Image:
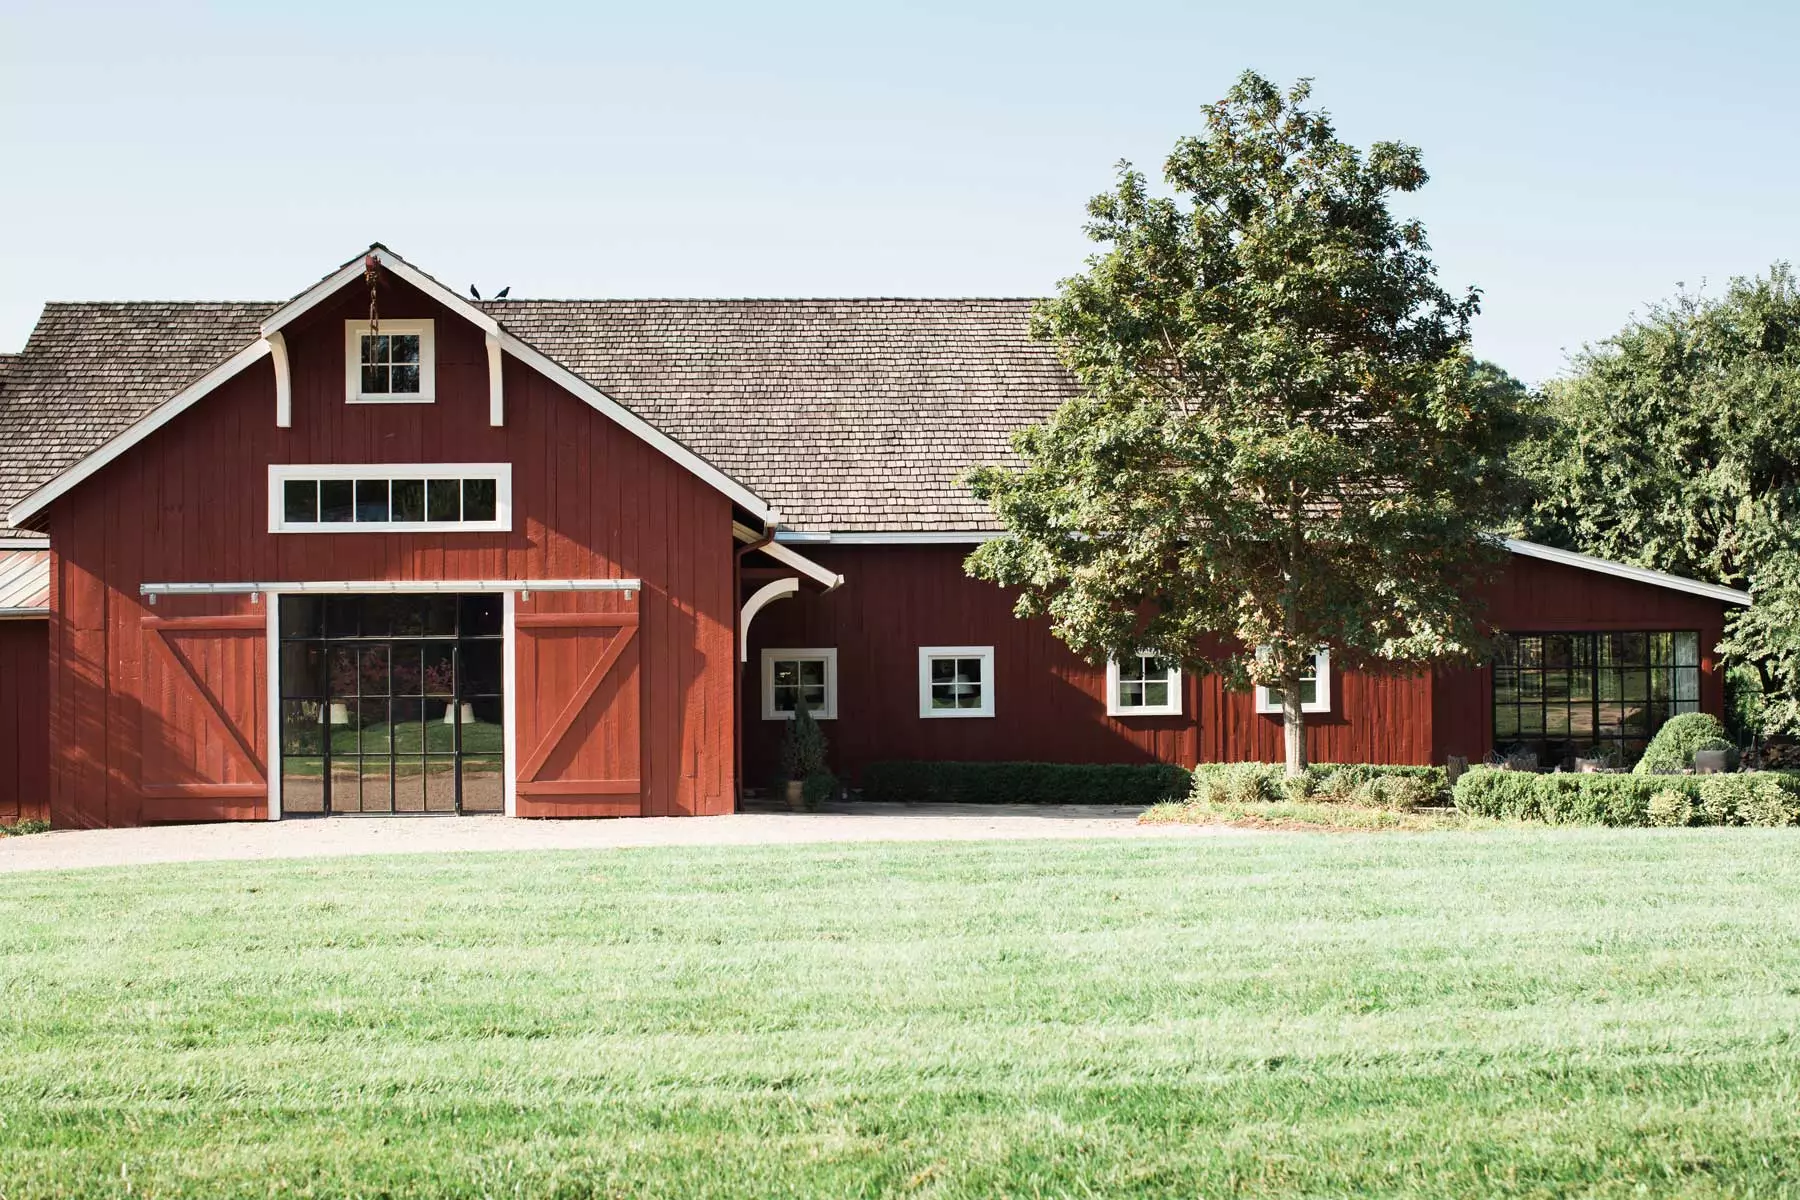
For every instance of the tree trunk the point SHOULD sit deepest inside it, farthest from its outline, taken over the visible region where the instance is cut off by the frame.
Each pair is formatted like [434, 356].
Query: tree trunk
[1293, 728]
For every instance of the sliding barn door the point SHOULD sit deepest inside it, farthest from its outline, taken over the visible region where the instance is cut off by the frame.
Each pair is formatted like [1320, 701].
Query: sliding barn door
[580, 731]
[202, 725]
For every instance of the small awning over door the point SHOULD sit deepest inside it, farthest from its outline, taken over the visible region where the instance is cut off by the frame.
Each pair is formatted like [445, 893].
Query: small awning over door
[785, 558]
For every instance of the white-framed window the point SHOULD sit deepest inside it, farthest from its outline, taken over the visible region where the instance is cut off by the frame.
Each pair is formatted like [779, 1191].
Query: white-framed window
[956, 681]
[396, 364]
[790, 676]
[1315, 689]
[1143, 685]
[390, 498]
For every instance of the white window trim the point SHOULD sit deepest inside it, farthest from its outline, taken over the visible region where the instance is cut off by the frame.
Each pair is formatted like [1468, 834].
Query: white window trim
[500, 473]
[984, 653]
[1115, 709]
[827, 654]
[1322, 669]
[353, 335]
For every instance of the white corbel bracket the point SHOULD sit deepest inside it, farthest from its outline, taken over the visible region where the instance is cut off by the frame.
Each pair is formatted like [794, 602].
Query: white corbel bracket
[496, 394]
[284, 379]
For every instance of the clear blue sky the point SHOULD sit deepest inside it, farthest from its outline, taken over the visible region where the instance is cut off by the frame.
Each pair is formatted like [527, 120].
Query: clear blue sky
[1585, 156]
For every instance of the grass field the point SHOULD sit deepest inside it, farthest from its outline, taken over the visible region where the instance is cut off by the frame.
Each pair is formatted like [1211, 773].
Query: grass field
[1502, 1013]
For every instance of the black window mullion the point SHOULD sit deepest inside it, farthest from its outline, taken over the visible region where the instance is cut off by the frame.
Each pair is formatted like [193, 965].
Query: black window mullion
[456, 727]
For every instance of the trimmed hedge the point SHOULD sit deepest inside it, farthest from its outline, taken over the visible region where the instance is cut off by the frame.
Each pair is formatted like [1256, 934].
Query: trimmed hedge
[1747, 798]
[1023, 783]
[1369, 784]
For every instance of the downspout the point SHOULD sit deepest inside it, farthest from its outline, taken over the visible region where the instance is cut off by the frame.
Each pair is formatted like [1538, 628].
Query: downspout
[737, 634]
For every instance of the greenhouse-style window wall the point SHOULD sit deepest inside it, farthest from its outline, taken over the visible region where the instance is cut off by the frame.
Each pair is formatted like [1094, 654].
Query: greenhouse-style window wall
[1564, 696]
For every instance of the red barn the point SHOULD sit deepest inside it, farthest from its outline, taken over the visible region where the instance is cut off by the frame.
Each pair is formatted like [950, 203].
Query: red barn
[383, 549]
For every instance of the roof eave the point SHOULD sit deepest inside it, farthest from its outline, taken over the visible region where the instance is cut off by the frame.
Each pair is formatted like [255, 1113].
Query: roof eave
[89, 465]
[1645, 575]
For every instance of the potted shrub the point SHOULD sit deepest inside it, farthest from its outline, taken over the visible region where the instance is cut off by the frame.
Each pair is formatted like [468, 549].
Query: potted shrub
[1714, 756]
[803, 749]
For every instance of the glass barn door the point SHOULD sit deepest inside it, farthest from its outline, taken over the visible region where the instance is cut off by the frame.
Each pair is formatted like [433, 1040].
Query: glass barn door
[392, 704]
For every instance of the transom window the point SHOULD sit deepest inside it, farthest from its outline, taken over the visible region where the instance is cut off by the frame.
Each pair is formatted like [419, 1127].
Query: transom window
[956, 681]
[1564, 696]
[394, 364]
[790, 676]
[1143, 685]
[1315, 689]
[390, 499]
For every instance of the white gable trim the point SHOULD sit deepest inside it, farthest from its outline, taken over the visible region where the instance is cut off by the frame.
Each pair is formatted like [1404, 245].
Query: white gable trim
[908, 537]
[352, 271]
[140, 429]
[1605, 566]
[1568, 558]
[498, 340]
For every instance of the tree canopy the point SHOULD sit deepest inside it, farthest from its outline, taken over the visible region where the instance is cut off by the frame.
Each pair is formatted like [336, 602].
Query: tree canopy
[1675, 444]
[1279, 441]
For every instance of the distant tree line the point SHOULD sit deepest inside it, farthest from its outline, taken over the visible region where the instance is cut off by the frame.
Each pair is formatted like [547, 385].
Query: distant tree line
[1675, 444]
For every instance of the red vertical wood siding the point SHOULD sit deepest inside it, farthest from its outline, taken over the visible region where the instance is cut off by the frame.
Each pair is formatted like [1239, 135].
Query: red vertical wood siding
[1374, 718]
[189, 504]
[1050, 705]
[24, 720]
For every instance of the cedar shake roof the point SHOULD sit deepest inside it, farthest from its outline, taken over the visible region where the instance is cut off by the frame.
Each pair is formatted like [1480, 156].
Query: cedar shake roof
[90, 370]
[843, 414]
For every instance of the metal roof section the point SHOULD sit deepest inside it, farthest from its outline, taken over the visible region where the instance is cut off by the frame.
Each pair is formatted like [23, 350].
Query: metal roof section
[24, 580]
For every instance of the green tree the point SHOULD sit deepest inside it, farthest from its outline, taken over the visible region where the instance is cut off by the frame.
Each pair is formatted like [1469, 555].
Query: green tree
[1675, 444]
[1279, 441]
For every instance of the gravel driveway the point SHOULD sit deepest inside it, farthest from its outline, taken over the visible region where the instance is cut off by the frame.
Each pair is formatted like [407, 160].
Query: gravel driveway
[322, 838]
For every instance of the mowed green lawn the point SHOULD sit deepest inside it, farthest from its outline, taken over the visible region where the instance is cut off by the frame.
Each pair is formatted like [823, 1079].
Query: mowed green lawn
[1513, 1012]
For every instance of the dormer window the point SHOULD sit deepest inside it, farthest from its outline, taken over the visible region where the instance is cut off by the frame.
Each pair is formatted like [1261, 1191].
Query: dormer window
[394, 364]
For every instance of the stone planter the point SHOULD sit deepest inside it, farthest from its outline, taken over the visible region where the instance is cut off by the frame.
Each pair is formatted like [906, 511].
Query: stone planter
[796, 795]
[1709, 762]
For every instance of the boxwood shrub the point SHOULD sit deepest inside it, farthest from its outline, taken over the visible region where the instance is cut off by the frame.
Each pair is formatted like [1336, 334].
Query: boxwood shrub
[1672, 749]
[1024, 783]
[1369, 784]
[1749, 798]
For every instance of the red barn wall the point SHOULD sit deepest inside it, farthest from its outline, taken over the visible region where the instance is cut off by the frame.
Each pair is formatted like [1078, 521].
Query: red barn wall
[1536, 596]
[24, 721]
[189, 504]
[1050, 705]
[897, 598]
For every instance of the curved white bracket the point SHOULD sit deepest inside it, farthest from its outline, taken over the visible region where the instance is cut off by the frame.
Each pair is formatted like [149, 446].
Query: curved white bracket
[284, 380]
[496, 397]
[765, 595]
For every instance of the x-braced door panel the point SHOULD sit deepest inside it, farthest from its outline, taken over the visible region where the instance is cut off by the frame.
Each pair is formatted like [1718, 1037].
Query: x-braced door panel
[580, 727]
[201, 725]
